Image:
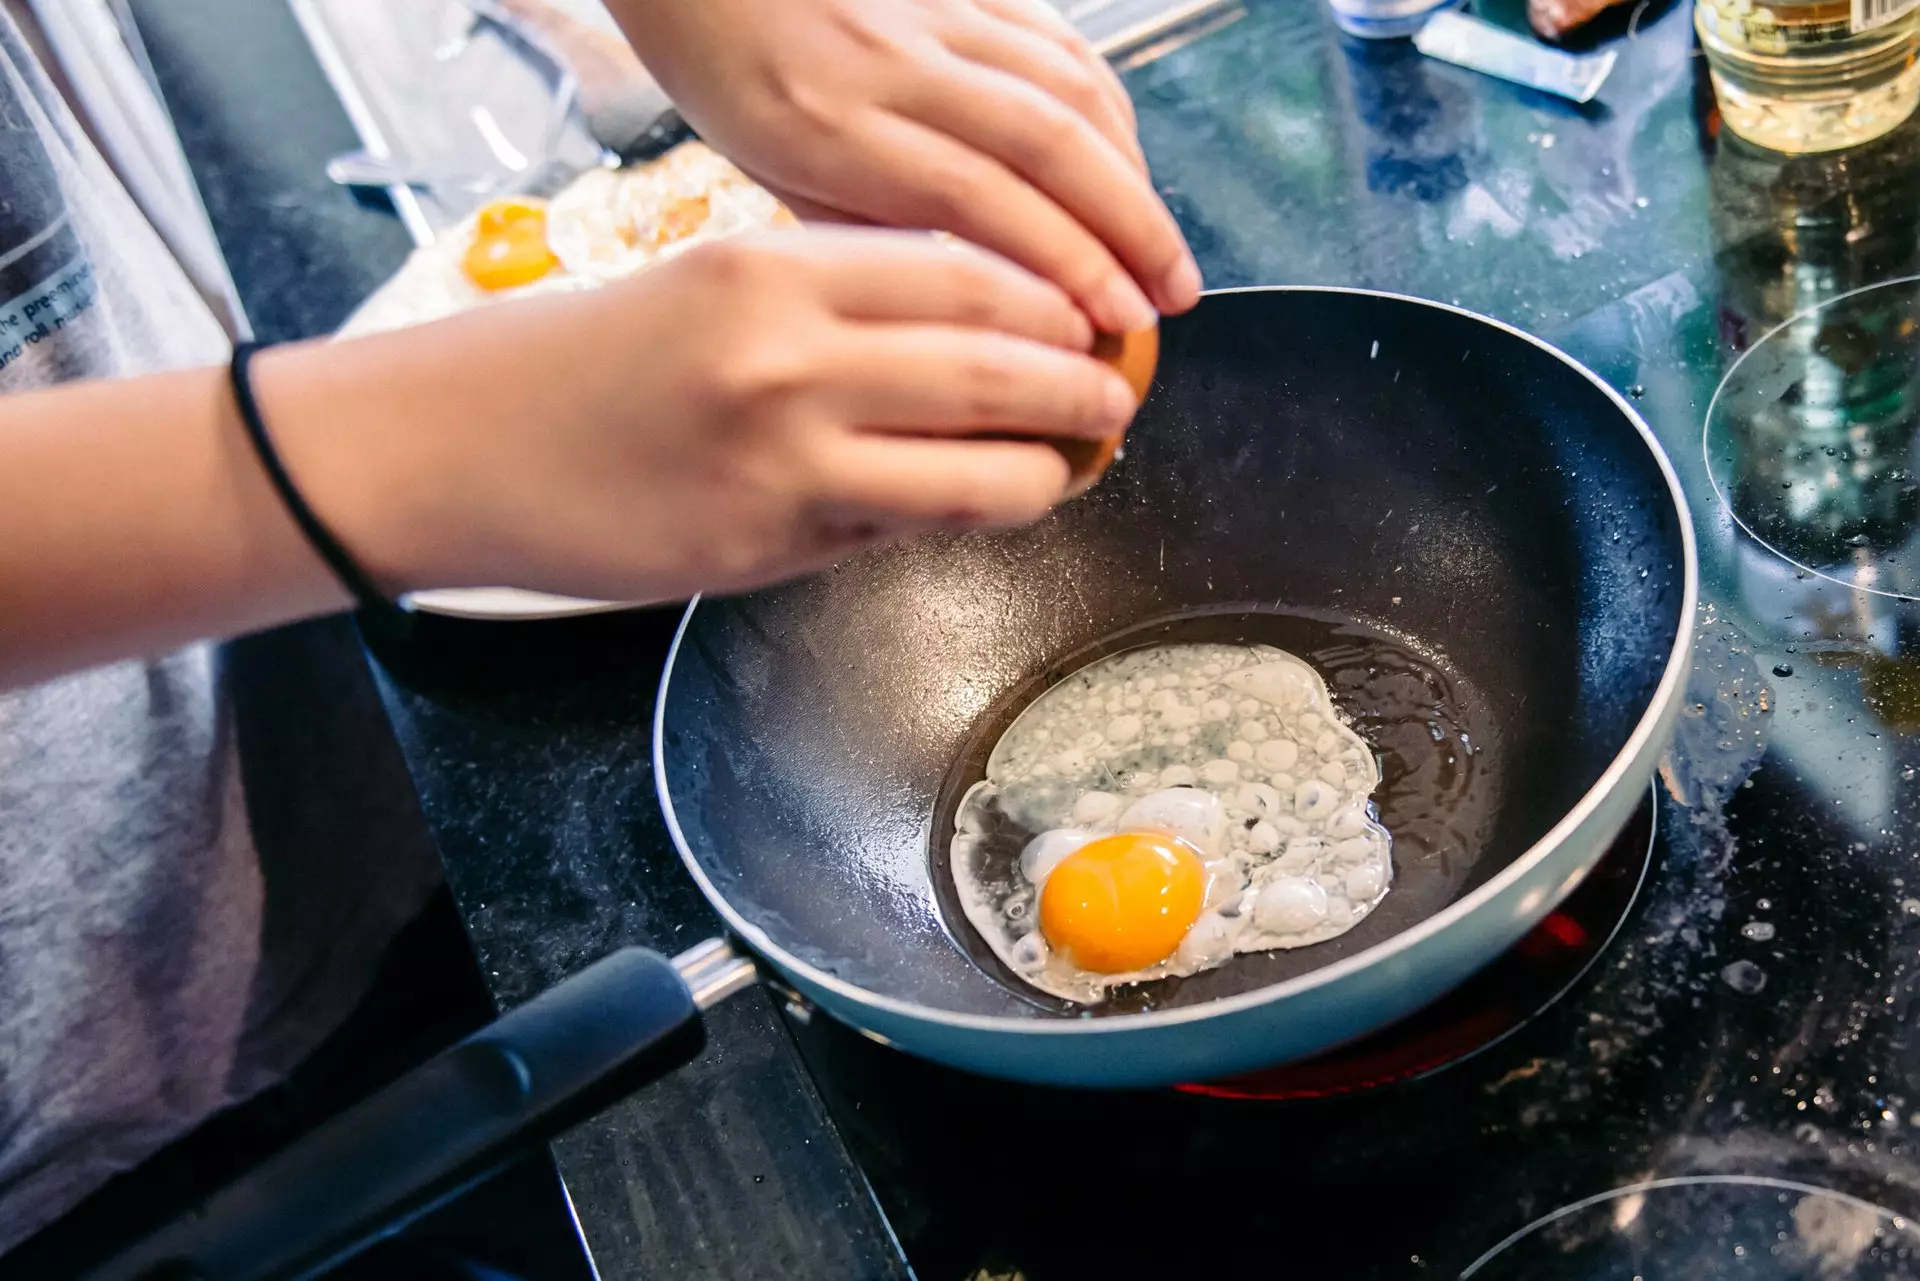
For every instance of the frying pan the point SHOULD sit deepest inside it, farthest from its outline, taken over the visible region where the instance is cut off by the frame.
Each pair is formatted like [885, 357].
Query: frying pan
[1346, 472]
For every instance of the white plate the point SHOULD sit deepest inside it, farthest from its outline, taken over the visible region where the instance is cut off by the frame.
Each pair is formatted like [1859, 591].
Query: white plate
[430, 285]
[489, 603]
[427, 287]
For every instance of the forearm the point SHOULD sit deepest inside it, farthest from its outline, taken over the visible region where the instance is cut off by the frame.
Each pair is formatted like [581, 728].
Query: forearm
[648, 26]
[134, 517]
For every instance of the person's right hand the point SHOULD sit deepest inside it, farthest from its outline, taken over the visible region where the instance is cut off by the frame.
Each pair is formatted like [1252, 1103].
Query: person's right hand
[991, 119]
[747, 411]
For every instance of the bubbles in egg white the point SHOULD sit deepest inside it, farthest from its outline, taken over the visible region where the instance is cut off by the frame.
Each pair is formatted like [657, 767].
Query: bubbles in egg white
[1235, 749]
[605, 225]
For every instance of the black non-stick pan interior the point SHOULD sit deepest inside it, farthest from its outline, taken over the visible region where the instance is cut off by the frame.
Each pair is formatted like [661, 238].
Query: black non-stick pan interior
[1408, 496]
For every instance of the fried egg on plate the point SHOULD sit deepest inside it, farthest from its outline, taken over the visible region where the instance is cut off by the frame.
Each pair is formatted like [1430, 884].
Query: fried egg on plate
[1171, 806]
[605, 224]
[611, 223]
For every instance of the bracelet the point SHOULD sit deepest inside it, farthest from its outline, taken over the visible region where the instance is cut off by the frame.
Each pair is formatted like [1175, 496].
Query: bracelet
[381, 617]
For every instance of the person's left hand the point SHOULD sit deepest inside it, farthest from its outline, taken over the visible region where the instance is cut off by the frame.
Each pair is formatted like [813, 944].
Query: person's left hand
[991, 119]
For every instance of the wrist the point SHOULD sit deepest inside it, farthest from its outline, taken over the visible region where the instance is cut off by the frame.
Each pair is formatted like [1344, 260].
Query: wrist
[343, 419]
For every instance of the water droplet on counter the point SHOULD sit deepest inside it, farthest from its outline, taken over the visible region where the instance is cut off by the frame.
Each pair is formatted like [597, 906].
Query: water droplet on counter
[1907, 772]
[1744, 977]
[1911, 906]
[1636, 391]
[1640, 202]
[1783, 670]
[1758, 931]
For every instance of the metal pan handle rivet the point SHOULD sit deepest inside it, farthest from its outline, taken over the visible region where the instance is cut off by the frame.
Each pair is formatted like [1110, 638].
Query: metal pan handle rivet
[714, 970]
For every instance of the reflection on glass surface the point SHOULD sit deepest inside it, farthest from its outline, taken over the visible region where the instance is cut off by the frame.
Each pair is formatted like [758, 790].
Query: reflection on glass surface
[1810, 438]
[1416, 123]
[1710, 1226]
[1791, 233]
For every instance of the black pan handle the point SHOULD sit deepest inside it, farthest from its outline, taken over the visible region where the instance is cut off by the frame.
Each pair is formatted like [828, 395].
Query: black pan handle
[575, 1049]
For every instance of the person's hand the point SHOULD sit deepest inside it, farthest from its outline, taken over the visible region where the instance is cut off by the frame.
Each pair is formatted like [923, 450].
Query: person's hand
[991, 119]
[747, 411]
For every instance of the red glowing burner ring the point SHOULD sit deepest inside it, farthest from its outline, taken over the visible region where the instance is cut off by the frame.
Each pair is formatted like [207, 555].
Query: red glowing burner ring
[1490, 1007]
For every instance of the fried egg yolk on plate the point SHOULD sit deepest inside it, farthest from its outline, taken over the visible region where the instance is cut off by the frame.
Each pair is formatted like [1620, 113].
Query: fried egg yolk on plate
[1160, 811]
[509, 246]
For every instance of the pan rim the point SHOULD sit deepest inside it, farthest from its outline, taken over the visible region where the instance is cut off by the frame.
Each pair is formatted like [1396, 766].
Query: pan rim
[1666, 692]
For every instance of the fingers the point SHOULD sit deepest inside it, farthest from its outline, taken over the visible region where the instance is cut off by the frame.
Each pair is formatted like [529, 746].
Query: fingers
[932, 378]
[922, 483]
[909, 276]
[941, 182]
[1044, 19]
[1040, 16]
[1057, 150]
[1051, 64]
[807, 210]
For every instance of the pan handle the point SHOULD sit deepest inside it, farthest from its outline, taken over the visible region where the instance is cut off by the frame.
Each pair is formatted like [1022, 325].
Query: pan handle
[575, 1049]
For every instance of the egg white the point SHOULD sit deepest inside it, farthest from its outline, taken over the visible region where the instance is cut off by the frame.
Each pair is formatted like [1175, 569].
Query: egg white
[1236, 750]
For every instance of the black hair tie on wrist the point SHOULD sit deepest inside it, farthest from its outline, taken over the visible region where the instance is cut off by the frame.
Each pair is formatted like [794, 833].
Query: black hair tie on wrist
[380, 617]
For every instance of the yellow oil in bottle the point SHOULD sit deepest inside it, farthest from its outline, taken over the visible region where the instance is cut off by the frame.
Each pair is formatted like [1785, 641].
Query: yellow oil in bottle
[1812, 75]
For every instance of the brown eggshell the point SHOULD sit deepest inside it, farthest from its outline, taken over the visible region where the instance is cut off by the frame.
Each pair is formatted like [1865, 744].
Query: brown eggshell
[1135, 356]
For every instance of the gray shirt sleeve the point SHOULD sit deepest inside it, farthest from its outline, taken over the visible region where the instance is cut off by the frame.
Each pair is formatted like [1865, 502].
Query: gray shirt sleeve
[201, 856]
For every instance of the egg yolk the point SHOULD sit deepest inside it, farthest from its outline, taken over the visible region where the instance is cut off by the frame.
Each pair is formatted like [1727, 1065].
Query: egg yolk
[509, 246]
[1123, 902]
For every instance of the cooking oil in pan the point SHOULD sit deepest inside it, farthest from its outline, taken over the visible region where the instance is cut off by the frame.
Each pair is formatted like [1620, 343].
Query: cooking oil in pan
[1430, 732]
